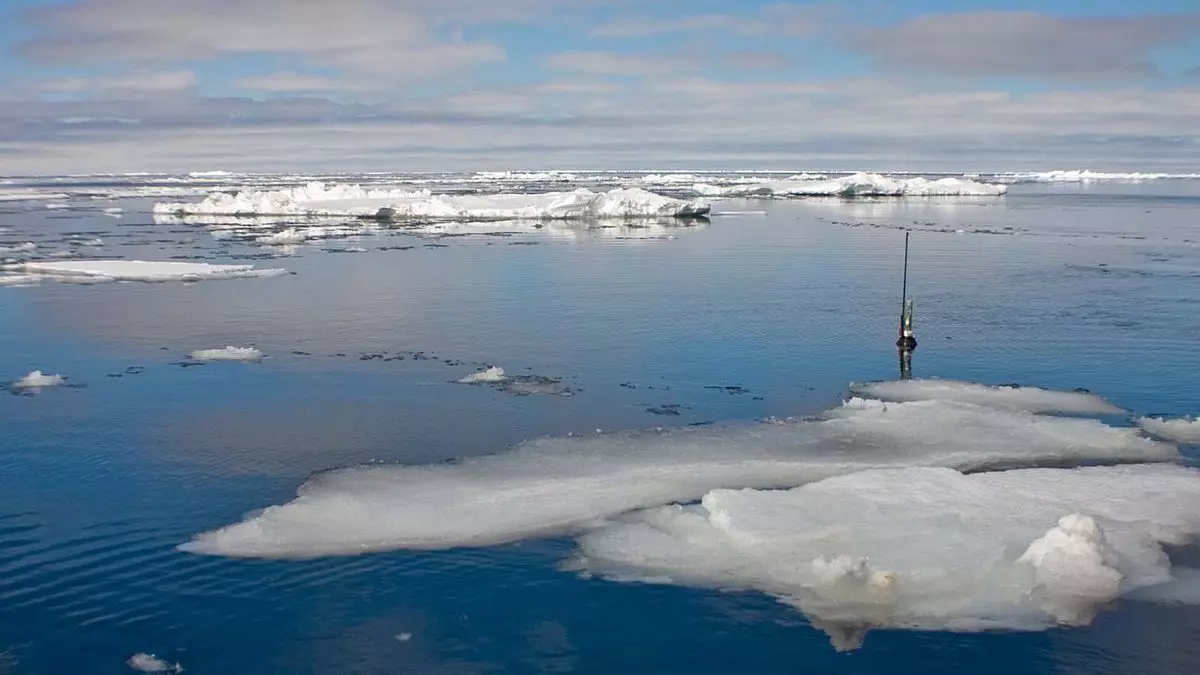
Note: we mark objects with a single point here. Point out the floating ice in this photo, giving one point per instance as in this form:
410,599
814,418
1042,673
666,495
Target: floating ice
227,354
493,374
857,185
25,194
149,663
319,199
19,248
1086,176
57,206
1030,399
37,379
920,548
1182,430
563,484
99,271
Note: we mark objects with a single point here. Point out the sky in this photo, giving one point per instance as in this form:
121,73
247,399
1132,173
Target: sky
431,85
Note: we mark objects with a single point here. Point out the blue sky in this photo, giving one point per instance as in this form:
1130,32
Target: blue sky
127,85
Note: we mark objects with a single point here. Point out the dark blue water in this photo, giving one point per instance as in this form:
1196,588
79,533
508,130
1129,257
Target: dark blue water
1092,287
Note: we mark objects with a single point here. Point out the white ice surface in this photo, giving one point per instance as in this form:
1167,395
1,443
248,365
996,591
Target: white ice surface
857,185
319,199
37,379
1087,176
1030,399
98,271
493,374
564,484
19,248
1182,430
921,548
227,354
26,194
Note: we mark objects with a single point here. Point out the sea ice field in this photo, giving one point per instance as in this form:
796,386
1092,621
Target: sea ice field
595,422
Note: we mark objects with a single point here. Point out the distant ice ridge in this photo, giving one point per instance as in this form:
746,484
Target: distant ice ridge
561,485
857,185
920,548
1086,176
102,271
1182,430
227,354
37,379
319,199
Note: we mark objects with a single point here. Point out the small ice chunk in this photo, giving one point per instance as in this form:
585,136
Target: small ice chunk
1181,430
139,270
37,379
55,206
19,248
1075,569
491,375
404,637
227,354
149,663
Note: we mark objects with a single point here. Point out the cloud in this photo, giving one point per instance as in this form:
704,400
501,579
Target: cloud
782,18
133,83
1025,43
293,82
363,36
615,63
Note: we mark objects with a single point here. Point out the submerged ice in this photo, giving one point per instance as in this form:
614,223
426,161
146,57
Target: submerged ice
561,485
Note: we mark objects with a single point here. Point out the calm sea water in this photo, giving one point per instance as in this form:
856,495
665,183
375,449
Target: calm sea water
1056,286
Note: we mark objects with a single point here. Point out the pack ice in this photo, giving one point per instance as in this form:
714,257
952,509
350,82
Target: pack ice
856,185
319,199
558,485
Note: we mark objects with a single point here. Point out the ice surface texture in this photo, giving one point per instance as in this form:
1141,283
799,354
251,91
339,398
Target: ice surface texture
319,199
99,271
227,354
1183,430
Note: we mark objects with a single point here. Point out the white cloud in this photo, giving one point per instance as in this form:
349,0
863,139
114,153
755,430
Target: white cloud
781,18
132,83
616,63
293,82
1028,43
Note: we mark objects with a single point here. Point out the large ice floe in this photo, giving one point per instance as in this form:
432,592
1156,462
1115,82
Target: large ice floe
856,185
936,509
101,271
564,484
319,199
227,354
1182,430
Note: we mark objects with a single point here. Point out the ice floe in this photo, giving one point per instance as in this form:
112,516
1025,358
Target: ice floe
1008,397
493,374
19,248
37,379
227,354
319,199
149,663
1182,430
857,185
1087,176
24,194
566,484
100,271
920,548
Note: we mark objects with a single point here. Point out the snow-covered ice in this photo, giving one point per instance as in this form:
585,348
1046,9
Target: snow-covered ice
564,484
493,374
920,548
1087,176
1008,397
37,379
25,194
319,199
99,271
1182,430
227,354
149,663
857,185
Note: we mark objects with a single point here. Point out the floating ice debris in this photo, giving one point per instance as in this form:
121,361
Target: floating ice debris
149,663
857,185
37,379
493,374
1030,399
57,206
114,211
99,271
532,385
1086,176
920,548
318,199
564,484
19,248
404,637
94,241
1182,430
289,236
24,194
227,354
